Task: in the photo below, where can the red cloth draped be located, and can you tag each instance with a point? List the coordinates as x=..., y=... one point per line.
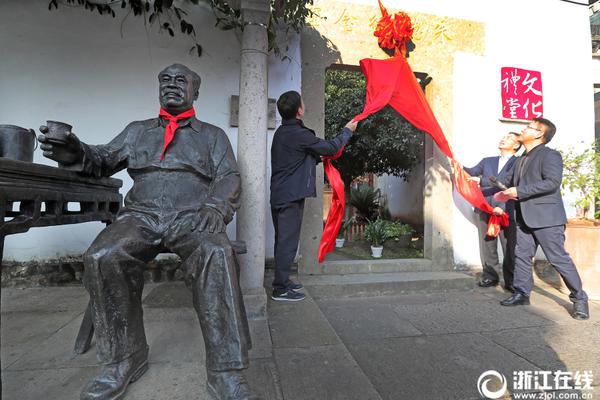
x=336, y=211
x=392, y=81
x=173, y=125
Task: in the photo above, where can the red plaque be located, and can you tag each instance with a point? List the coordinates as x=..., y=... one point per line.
x=521, y=93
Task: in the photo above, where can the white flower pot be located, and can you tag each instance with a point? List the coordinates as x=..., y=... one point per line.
x=376, y=251
x=339, y=242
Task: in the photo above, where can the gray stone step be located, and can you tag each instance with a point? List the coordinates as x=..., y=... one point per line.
x=343, y=267
x=385, y=284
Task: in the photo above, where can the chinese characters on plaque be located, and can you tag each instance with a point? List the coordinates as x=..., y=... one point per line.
x=521, y=93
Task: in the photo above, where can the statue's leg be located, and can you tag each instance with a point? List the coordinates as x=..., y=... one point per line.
x=113, y=276
x=212, y=273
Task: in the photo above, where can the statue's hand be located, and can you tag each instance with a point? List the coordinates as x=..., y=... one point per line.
x=68, y=152
x=208, y=220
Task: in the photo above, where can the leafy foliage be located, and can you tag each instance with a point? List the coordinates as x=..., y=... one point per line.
x=395, y=229
x=380, y=230
x=385, y=142
x=581, y=175
x=291, y=15
x=366, y=201
x=376, y=232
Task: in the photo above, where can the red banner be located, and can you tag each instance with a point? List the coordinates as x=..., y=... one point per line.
x=393, y=82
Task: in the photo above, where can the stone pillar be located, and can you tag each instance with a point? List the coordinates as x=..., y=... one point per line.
x=252, y=153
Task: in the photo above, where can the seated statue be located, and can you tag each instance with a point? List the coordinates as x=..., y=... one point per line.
x=186, y=188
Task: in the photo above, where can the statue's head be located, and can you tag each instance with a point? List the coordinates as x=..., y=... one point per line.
x=178, y=88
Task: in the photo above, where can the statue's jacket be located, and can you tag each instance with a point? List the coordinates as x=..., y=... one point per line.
x=198, y=169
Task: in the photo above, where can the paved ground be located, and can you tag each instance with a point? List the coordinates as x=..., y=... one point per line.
x=419, y=346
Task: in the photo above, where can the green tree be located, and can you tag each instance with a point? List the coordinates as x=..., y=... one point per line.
x=385, y=144
x=171, y=16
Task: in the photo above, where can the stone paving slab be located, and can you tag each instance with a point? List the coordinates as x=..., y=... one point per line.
x=299, y=324
x=468, y=316
x=67, y=298
x=169, y=295
x=47, y=384
x=23, y=332
x=433, y=367
x=57, y=350
x=322, y=373
x=546, y=302
x=173, y=381
x=39, y=343
x=573, y=347
x=377, y=320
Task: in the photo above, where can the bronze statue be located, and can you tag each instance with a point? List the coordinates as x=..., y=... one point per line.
x=186, y=188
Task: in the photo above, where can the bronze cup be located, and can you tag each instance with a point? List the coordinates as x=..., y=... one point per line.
x=57, y=131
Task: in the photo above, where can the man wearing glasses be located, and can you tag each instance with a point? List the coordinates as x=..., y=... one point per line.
x=540, y=214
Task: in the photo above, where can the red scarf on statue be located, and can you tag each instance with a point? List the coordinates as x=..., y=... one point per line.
x=173, y=125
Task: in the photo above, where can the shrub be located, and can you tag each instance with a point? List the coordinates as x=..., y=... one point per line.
x=581, y=175
x=365, y=200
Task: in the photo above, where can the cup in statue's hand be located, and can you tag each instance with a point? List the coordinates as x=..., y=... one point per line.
x=57, y=132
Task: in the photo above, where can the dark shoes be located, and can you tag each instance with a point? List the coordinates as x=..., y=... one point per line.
x=295, y=285
x=509, y=288
x=228, y=385
x=581, y=310
x=113, y=379
x=486, y=282
x=289, y=295
x=516, y=299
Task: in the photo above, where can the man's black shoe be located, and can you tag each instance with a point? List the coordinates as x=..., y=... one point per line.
x=228, y=385
x=486, y=282
x=517, y=299
x=509, y=288
x=581, y=310
x=295, y=285
x=113, y=379
x=290, y=295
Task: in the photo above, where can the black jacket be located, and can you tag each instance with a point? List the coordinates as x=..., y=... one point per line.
x=537, y=177
x=294, y=155
x=489, y=167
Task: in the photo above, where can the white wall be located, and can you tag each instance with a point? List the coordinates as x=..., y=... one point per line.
x=71, y=65
x=550, y=36
x=564, y=60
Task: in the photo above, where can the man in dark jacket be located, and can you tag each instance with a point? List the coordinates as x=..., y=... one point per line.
x=541, y=218
x=294, y=155
x=499, y=167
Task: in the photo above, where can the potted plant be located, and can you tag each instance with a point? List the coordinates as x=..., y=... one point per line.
x=376, y=233
x=341, y=238
x=581, y=176
x=401, y=233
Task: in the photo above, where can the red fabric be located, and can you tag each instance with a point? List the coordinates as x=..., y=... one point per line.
x=392, y=81
x=173, y=125
x=336, y=211
x=393, y=33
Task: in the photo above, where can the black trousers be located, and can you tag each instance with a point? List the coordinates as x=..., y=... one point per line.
x=488, y=250
x=287, y=220
x=113, y=276
x=552, y=241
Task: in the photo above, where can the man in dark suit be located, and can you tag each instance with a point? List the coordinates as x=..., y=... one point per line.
x=541, y=218
x=500, y=167
x=295, y=152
